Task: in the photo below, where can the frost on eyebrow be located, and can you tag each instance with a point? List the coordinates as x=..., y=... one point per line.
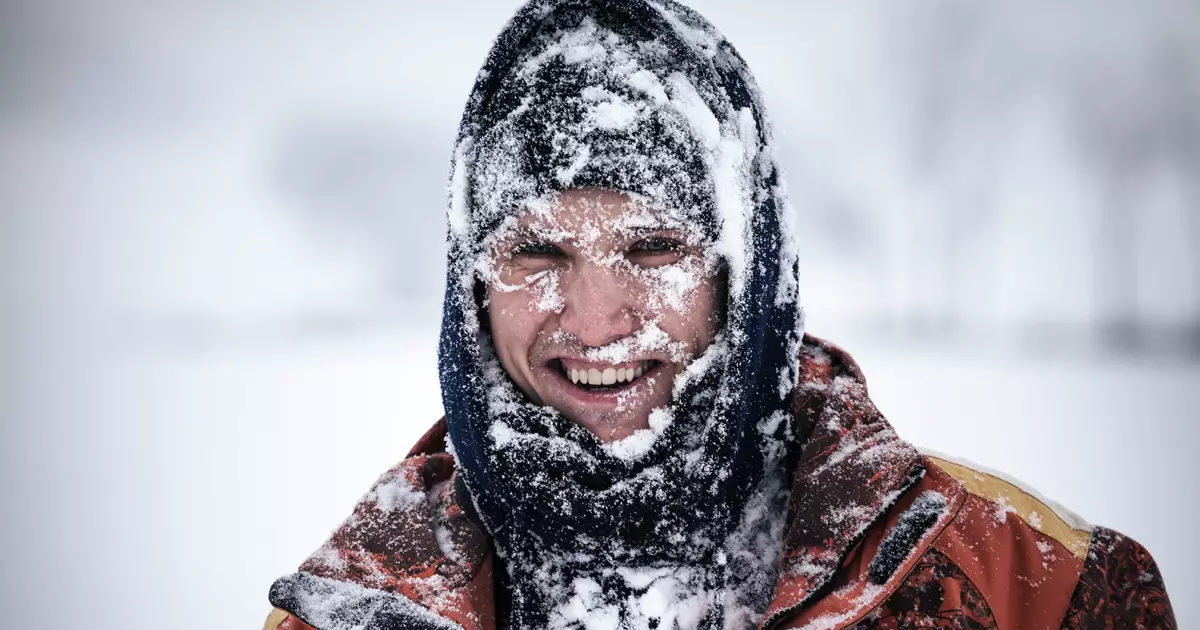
x=599, y=239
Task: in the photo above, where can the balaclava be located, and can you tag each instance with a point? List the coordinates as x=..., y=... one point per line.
x=682, y=529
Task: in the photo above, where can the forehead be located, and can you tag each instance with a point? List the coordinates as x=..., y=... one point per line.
x=593, y=213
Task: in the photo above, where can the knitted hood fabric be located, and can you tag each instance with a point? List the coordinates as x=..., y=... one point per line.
x=645, y=98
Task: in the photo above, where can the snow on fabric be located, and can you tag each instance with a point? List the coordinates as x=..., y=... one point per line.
x=385, y=558
x=649, y=100
x=1075, y=521
x=406, y=541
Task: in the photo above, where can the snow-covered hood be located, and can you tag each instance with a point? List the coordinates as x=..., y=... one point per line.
x=649, y=99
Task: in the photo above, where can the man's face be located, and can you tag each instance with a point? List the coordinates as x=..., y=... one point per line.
x=596, y=304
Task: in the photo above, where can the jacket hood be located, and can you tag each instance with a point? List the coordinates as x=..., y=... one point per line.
x=649, y=99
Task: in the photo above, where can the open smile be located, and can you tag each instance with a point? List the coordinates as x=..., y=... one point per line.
x=600, y=379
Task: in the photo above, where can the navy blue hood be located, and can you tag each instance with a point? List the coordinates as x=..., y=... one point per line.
x=705, y=499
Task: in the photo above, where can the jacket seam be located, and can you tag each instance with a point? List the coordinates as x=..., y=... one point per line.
x=897, y=582
x=934, y=545
x=919, y=473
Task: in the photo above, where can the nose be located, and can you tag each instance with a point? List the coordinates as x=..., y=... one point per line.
x=598, y=305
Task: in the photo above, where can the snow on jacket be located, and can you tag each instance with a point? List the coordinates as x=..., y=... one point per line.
x=878, y=536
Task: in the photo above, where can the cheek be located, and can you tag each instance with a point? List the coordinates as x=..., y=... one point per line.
x=685, y=300
x=508, y=314
x=544, y=292
x=701, y=319
x=516, y=319
x=530, y=293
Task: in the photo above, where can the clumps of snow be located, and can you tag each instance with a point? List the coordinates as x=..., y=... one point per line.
x=340, y=605
x=649, y=340
x=585, y=608
x=788, y=290
x=393, y=491
x=755, y=548
x=706, y=40
x=543, y=287
x=688, y=102
x=327, y=558
x=658, y=597
x=547, y=295
x=727, y=159
x=1002, y=509
x=566, y=175
x=789, y=375
x=1046, y=548
x=610, y=110
x=695, y=371
x=502, y=434
x=582, y=45
x=648, y=84
x=635, y=446
x=676, y=284
x=773, y=441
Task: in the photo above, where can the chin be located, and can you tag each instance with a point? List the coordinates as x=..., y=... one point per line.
x=608, y=428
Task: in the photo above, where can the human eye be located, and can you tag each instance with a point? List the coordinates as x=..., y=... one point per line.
x=654, y=251
x=536, y=250
x=536, y=256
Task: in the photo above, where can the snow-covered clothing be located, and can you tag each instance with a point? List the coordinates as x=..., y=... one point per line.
x=648, y=99
x=878, y=536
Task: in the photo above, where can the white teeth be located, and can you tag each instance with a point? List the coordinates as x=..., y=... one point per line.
x=609, y=376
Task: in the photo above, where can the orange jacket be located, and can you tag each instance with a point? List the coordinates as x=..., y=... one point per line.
x=878, y=537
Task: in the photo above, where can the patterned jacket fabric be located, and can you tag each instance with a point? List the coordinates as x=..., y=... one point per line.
x=879, y=536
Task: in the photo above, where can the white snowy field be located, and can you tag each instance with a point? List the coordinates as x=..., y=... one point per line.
x=169, y=487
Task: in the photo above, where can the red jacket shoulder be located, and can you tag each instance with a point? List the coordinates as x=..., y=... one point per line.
x=1120, y=587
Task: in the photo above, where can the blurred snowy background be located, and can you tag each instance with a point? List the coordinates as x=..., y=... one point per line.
x=222, y=230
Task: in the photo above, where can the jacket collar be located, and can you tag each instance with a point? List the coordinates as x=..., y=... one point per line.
x=852, y=468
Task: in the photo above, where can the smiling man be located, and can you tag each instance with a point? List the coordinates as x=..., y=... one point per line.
x=638, y=433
